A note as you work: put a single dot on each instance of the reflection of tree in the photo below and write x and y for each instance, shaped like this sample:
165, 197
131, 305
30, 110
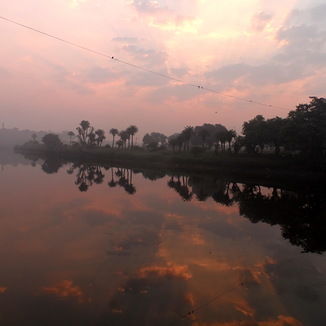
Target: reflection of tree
153, 174
112, 183
301, 215
70, 168
51, 165
31, 156
98, 175
124, 179
87, 175
180, 185
222, 195
218, 189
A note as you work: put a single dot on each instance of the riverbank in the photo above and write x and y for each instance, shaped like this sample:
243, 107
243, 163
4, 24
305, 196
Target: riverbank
264, 169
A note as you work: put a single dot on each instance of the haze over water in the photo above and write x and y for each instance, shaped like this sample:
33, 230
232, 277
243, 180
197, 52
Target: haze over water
131, 250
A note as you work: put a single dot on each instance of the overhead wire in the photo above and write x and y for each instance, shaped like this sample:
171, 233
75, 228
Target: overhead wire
112, 57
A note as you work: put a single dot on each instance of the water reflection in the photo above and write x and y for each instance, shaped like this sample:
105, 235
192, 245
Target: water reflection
300, 214
176, 252
51, 165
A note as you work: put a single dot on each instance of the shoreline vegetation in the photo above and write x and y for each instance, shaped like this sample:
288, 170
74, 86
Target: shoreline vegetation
290, 150
266, 169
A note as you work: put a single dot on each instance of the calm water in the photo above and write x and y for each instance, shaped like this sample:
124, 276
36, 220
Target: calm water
96, 246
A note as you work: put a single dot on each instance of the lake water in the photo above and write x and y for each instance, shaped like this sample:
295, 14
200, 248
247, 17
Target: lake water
110, 246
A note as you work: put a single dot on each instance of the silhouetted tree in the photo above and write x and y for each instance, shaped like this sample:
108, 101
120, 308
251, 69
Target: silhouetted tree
203, 133
222, 137
120, 143
132, 130
52, 142
113, 132
254, 132
91, 142
187, 132
154, 137
238, 144
100, 137
230, 135
124, 136
173, 141
306, 128
83, 131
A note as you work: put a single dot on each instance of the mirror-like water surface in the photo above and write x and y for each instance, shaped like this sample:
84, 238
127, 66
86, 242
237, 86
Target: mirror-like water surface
90, 245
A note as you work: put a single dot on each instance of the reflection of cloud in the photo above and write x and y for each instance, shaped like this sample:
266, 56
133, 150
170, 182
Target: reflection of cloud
64, 289
175, 271
3, 289
244, 308
127, 243
95, 217
153, 292
281, 321
247, 278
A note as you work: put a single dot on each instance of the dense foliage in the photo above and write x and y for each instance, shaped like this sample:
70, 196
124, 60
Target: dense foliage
303, 131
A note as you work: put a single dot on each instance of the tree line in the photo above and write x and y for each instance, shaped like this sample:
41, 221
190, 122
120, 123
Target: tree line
302, 131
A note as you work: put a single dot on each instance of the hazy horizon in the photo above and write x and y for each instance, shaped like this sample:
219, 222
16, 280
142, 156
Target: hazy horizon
247, 58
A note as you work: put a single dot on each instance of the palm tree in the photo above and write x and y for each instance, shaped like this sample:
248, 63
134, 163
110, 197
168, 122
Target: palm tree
83, 131
187, 133
180, 141
203, 133
100, 137
91, 138
230, 134
221, 137
173, 143
119, 143
124, 136
131, 130
113, 132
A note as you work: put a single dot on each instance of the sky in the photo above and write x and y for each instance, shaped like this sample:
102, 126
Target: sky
175, 63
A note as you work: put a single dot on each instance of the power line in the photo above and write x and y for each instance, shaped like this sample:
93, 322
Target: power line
55, 37
112, 57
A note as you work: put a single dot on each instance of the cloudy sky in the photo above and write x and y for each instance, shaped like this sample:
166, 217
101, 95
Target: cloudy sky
247, 57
